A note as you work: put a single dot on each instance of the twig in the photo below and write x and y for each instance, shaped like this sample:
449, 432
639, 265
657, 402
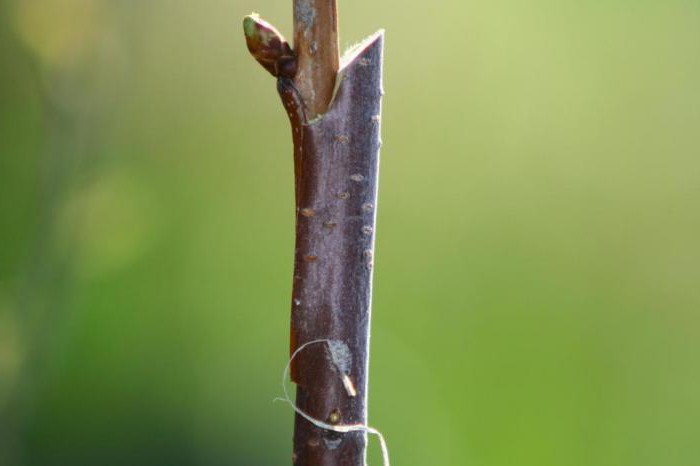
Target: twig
316, 47
336, 158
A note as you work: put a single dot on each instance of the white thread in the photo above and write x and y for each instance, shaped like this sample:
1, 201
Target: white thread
340, 428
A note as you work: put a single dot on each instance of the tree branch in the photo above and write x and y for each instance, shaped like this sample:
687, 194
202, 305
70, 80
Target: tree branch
336, 159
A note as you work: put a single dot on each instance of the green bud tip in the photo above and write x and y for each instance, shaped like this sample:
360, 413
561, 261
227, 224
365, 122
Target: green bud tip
249, 25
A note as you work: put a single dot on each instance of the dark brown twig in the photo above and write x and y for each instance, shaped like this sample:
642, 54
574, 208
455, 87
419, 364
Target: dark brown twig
336, 166
316, 46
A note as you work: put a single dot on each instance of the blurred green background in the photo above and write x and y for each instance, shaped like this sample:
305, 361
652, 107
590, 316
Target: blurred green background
537, 281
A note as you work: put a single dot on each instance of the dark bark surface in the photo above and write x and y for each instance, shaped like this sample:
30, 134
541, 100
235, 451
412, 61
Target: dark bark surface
335, 226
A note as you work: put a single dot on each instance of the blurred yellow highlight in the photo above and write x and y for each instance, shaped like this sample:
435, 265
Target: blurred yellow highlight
60, 32
109, 224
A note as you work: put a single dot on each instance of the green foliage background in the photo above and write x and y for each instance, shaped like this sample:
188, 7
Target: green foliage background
537, 279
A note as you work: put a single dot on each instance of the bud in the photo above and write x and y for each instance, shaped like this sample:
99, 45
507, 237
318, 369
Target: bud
269, 47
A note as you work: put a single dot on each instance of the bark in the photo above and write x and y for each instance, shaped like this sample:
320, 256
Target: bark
332, 285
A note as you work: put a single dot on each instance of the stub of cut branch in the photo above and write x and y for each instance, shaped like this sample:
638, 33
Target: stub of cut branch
334, 259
